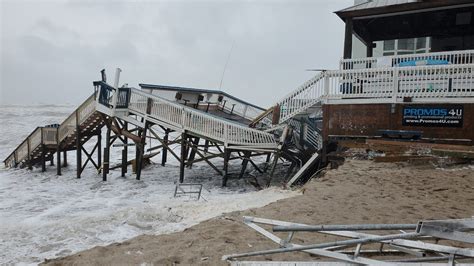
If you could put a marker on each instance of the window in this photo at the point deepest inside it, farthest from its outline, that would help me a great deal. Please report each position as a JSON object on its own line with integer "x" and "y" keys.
{"x": 406, "y": 44}
{"x": 389, "y": 45}
{"x": 421, "y": 43}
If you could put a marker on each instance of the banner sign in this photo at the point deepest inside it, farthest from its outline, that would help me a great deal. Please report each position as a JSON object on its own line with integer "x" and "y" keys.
{"x": 433, "y": 116}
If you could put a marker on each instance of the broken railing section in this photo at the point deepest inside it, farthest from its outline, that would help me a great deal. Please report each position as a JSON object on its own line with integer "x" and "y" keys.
{"x": 408, "y": 242}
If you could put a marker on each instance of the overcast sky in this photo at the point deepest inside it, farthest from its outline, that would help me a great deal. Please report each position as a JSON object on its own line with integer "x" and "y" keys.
{"x": 51, "y": 51}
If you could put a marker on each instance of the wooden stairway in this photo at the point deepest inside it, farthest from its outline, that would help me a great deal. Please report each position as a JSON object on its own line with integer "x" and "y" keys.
{"x": 44, "y": 142}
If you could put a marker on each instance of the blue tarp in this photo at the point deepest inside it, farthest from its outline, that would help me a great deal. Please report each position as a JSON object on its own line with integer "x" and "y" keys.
{"x": 426, "y": 62}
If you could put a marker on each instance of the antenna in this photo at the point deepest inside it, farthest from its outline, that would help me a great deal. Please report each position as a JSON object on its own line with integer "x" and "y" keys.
{"x": 225, "y": 66}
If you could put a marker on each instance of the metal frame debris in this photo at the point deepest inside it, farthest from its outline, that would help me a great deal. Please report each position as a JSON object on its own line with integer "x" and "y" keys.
{"x": 411, "y": 242}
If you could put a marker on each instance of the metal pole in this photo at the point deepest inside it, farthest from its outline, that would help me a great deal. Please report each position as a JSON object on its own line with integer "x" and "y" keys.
{"x": 344, "y": 227}
{"x": 325, "y": 245}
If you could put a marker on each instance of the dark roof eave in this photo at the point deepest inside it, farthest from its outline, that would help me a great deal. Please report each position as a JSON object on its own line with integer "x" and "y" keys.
{"x": 399, "y": 8}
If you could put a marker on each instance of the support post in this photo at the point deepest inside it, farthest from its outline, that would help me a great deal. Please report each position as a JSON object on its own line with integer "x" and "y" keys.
{"x": 43, "y": 157}
{"x": 29, "y": 164}
{"x": 141, "y": 150}
{"x": 58, "y": 154}
{"x": 206, "y": 145}
{"x": 226, "y": 166}
{"x": 99, "y": 148}
{"x": 105, "y": 167}
{"x": 348, "y": 39}
{"x": 78, "y": 152}
{"x": 370, "y": 49}
{"x": 245, "y": 162}
{"x": 275, "y": 162}
{"x": 192, "y": 153}
{"x": 165, "y": 150}
{"x": 267, "y": 162}
{"x": 183, "y": 157}
{"x": 125, "y": 151}
{"x": 64, "y": 158}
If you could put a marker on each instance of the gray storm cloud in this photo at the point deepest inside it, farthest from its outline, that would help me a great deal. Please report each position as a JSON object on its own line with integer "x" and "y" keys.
{"x": 51, "y": 51}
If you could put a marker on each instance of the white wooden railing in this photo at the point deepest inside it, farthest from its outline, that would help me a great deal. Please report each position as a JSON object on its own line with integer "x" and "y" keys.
{"x": 452, "y": 57}
{"x": 188, "y": 119}
{"x": 302, "y": 98}
{"x": 436, "y": 83}
{"x": 50, "y": 135}
{"x": 310, "y": 135}
{"x": 244, "y": 110}
{"x": 68, "y": 126}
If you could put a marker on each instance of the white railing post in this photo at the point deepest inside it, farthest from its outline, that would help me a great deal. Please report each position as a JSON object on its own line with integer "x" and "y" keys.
{"x": 396, "y": 73}
{"x": 226, "y": 135}
{"x": 116, "y": 85}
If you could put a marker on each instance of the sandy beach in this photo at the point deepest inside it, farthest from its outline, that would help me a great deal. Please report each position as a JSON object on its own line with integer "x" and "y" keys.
{"x": 359, "y": 191}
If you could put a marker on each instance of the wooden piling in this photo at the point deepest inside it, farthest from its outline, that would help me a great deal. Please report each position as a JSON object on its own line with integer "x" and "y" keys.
{"x": 78, "y": 152}
{"x": 226, "y": 166}
{"x": 58, "y": 154}
{"x": 64, "y": 158}
{"x": 99, "y": 148}
{"x": 105, "y": 167}
{"x": 165, "y": 150}
{"x": 245, "y": 162}
{"x": 141, "y": 151}
{"x": 183, "y": 157}
{"x": 193, "y": 152}
{"x": 43, "y": 157}
{"x": 125, "y": 151}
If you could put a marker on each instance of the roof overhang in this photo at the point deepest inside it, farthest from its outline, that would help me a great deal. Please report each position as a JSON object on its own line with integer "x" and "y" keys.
{"x": 410, "y": 20}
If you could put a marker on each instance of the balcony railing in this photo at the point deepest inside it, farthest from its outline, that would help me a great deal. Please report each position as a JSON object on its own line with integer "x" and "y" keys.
{"x": 449, "y": 58}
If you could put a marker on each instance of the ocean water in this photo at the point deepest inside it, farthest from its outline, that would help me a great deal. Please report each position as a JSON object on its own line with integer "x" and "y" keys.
{"x": 43, "y": 215}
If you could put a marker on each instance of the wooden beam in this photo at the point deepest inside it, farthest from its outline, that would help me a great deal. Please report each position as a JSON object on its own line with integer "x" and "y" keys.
{"x": 205, "y": 158}
{"x": 166, "y": 145}
{"x": 125, "y": 133}
{"x": 348, "y": 39}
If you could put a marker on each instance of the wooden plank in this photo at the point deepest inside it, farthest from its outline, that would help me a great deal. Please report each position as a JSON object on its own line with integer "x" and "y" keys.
{"x": 303, "y": 169}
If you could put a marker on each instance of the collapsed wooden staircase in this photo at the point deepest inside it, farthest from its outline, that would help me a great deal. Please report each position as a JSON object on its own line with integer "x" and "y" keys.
{"x": 122, "y": 106}
{"x": 40, "y": 146}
